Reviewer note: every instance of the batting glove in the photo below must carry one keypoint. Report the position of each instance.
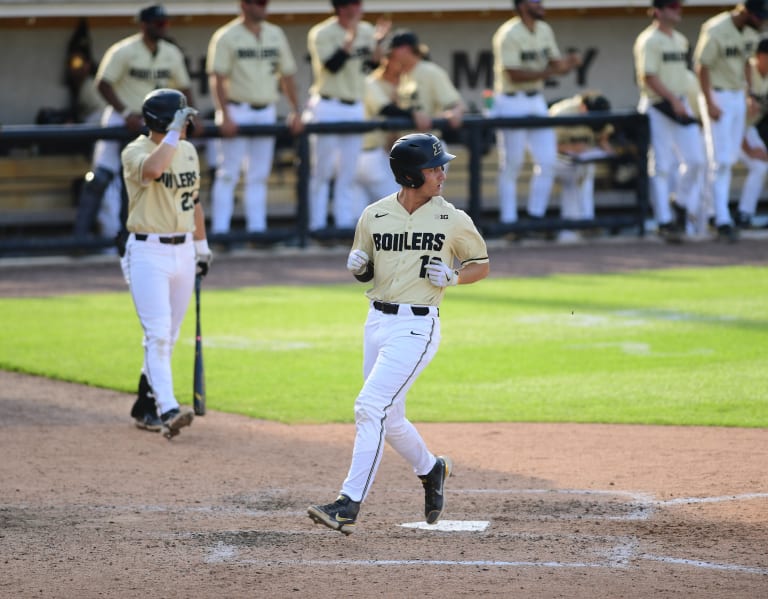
(203, 257)
(442, 275)
(357, 262)
(180, 119)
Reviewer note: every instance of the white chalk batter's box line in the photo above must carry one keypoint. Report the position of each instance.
(624, 551)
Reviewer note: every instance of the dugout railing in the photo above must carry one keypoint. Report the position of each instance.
(475, 136)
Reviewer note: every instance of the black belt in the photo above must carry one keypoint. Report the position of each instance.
(388, 308)
(254, 106)
(171, 240)
(529, 93)
(347, 102)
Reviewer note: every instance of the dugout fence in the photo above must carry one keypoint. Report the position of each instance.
(475, 171)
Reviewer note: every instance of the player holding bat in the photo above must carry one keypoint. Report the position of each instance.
(167, 240)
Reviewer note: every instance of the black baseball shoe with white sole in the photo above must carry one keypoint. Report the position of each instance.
(149, 422)
(175, 419)
(340, 515)
(434, 486)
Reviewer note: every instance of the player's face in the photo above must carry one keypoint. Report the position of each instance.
(535, 8)
(434, 178)
(255, 9)
(157, 29)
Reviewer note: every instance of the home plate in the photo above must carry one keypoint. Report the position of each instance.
(451, 525)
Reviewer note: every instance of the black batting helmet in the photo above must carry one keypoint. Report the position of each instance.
(160, 107)
(415, 152)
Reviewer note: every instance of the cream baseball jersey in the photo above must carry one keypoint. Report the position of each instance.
(578, 134)
(428, 88)
(133, 71)
(662, 55)
(348, 83)
(378, 94)
(165, 205)
(517, 47)
(402, 244)
(723, 49)
(250, 62)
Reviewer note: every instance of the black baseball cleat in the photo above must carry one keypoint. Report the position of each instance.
(174, 420)
(727, 233)
(434, 485)
(670, 233)
(340, 515)
(149, 422)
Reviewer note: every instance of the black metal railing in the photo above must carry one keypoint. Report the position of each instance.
(473, 135)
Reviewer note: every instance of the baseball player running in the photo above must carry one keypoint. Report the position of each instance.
(661, 57)
(726, 42)
(405, 245)
(243, 56)
(130, 69)
(341, 48)
(525, 55)
(166, 240)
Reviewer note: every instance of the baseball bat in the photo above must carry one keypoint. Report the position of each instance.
(199, 379)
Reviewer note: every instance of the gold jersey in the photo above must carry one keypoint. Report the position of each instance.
(378, 94)
(348, 83)
(402, 244)
(517, 47)
(251, 63)
(133, 71)
(724, 50)
(662, 55)
(165, 205)
(427, 88)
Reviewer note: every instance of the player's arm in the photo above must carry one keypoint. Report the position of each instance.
(473, 272)
(654, 84)
(705, 83)
(218, 83)
(293, 119)
(133, 121)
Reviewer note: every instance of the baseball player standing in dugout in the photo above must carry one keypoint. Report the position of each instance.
(244, 57)
(130, 69)
(726, 43)
(342, 48)
(406, 245)
(661, 66)
(525, 55)
(167, 239)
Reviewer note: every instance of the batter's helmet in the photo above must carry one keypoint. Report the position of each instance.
(160, 106)
(415, 152)
(759, 8)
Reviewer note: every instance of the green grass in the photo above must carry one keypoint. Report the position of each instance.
(663, 347)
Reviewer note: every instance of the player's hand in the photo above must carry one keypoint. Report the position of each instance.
(203, 257)
(357, 262)
(180, 119)
(441, 275)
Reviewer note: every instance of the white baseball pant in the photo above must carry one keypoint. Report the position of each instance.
(397, 348)
(162, 278)
(723, 143)
(512, 144)
(253, 155)
(756, 171)
(676, 161)
(106, 154)
(333, 157)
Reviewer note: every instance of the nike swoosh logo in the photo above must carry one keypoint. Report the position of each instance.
(417, 334)
(377, 215)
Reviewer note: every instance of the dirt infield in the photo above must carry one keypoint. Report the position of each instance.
(92, 507)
